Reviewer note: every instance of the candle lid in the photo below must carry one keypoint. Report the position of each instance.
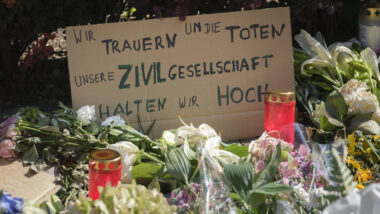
(105, 159)
(280, 96)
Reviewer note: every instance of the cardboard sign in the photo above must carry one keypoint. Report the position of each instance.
(209, 69)
(19, 181)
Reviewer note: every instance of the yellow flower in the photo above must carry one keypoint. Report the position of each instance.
(352, 144)
(364, 175)
(354, 163)
(359, 186)
(368, 150)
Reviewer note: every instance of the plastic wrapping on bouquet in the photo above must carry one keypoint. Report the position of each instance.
(280, 115)
(105, 167)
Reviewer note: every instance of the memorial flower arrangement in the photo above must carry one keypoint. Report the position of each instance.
(191, 165)
(198, 172)
(341, 100)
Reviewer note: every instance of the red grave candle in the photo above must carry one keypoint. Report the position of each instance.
(279, 115)
(105, 167)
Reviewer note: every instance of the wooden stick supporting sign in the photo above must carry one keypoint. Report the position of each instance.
(209, 69)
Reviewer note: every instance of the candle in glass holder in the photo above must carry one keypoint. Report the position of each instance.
(105, 167)
(280, 115)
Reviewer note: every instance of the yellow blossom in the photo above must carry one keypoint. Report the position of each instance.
(368, 150)
(352, 144)
(365, 175)
(359, 186)
(354, 163)
(362, 175)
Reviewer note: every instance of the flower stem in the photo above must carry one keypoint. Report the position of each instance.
(194, 174)
(147, 155)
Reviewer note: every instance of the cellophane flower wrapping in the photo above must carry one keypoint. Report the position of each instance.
(214, 193)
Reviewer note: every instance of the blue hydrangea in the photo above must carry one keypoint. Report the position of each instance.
(9, 204)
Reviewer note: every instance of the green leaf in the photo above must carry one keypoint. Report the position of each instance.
(325, 124)
(145, 171)
(178, 165)
(154, 184)
(272, 189)
(38, 166)
(267, 174)
(241, 151)
(93, 128)
(48, 207)
(30, 156)
(54, 122)
(57, 203)
(150, 128)
(256, 199)
(336, 106)
(240, 177)
(44, 121)
(373, 148)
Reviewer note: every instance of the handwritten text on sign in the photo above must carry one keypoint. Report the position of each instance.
(205, 68)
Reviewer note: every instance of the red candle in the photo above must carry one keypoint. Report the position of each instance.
(279, 115)
(105, 167)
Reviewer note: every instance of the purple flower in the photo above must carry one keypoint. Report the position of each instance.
(10, 205)
(184, 198)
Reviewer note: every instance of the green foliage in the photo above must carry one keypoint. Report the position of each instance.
(272, 189)
(340, 175)
(240, 177)
(336, 106)
(241, 151)
(341, 181)
(253, 190)
(145, 172)
(268, 173)
(177, 164)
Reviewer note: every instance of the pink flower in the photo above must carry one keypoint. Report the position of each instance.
(259, 166)
(304, 151)
(7, 149)
(288, 171)
(8, 127)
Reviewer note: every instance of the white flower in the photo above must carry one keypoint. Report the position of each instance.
(86, 114)
(302, 194)
(207, 130)
(168, 137)
(212, 147)
(113, 120)
(128, 152)
(359, 99)
(194, 135)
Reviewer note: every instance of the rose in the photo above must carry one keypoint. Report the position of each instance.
(113, 120)
(86, 114)
(8, 127)
(358, 97)
(7, 149)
